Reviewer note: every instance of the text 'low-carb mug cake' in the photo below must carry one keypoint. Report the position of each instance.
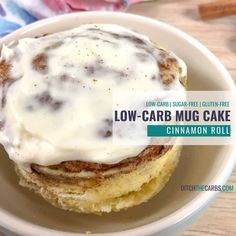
(56, 116)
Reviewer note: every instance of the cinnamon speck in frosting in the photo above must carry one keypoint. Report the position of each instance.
(56, 95)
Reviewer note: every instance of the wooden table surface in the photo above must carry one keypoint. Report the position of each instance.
(219, 36)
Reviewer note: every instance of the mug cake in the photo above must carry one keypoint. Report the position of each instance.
(56, 116)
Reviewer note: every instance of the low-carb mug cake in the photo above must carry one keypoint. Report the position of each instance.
(56, 116)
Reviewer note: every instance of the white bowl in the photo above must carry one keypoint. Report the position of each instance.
(170, 211)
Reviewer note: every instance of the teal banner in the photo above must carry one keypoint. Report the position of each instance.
(188, 131)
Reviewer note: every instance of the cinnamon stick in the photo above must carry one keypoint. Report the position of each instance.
(217, 9)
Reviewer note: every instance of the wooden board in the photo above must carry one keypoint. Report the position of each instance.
(219, 36)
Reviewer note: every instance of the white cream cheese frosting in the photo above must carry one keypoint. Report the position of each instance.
(57, 103)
